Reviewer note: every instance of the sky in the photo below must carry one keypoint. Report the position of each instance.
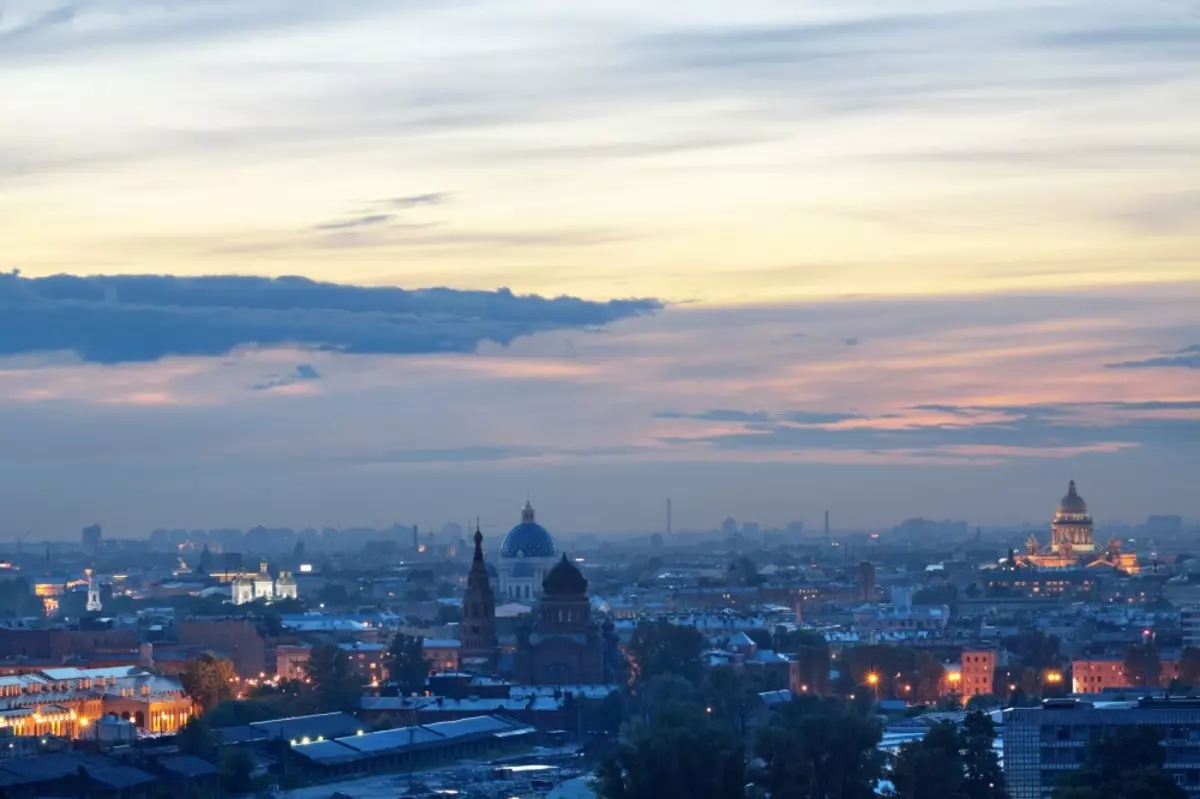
(315, 263)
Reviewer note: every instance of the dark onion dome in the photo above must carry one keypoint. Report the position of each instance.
(565, 579)
(1072, 503)
(528, 539)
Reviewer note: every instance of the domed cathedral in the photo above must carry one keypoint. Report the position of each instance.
(527, 555)
(565, 646)
(1071, 531)
(477, 634)
(1073, 542)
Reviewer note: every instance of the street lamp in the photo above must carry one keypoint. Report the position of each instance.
(873, 681)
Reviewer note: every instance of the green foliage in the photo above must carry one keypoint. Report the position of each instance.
(235, 770)
(336, 686)
(679, 752)
(919, 673)
(1128, 765)
(406, 663)
(789, 642)
(731, 696)
(949, 763)
(936, 595)
(1189, 666)
(209, 680)
(660, 647)
(817, 749)
(197, 738)
(17, 599)
(235, 713)
(1034, 649)
(1142, 665)
(811, 653)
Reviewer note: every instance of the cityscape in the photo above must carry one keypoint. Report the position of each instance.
(600, 399)
(380, 662)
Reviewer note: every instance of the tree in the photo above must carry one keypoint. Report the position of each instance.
(1127, 764)
(1189, 666)
(680, 753)
(984, 775)
(407, 666)
(240, 712)
(817, 749)
(931, 768)
(196, 738)
(209, 680)
(731, 695)
(235, 771)
(336, 686)
(789, 642)
(1035, 649)
(1142, 665)
(951, 763)
(660, 647)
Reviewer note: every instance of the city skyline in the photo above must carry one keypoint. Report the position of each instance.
(934, 261)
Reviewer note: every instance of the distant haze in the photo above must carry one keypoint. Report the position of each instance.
(309, 264)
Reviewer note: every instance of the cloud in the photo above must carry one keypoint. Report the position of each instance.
(416, 200)
(370, 220)
(850, 342)
(756, 417)
(1186, 358)
(717, 415)
(114, 319)
(302, 372)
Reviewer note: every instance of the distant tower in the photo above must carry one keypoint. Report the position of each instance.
(826, 526)
(91, 537)
(416, 540)
(668, 517)
(478, 632)
(93, 594)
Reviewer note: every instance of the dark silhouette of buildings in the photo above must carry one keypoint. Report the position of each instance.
(478, 635)
(565, 646)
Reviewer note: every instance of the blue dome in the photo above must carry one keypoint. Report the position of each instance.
(521, 569)
(528, 539)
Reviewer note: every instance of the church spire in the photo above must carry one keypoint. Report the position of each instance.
(527, 513)
(478, 544)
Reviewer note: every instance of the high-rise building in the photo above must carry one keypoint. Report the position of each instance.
(92, 539)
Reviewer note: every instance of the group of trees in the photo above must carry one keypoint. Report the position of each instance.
(18, 599)
(1127, 764)
(333, 684)
(951, 763)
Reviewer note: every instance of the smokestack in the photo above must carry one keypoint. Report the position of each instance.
(826, 525)
(668, 517)
(416, 540)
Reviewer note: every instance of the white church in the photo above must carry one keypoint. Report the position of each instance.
(249, 588)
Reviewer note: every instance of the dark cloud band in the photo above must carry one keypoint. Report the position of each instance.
(114, 319)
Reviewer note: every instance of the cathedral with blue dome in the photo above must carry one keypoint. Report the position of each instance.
(527, 555)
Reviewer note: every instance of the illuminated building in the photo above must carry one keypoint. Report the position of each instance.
(1071, 531)
(1073, 543)
(977, 670)
(245, 588)
(64, 702)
